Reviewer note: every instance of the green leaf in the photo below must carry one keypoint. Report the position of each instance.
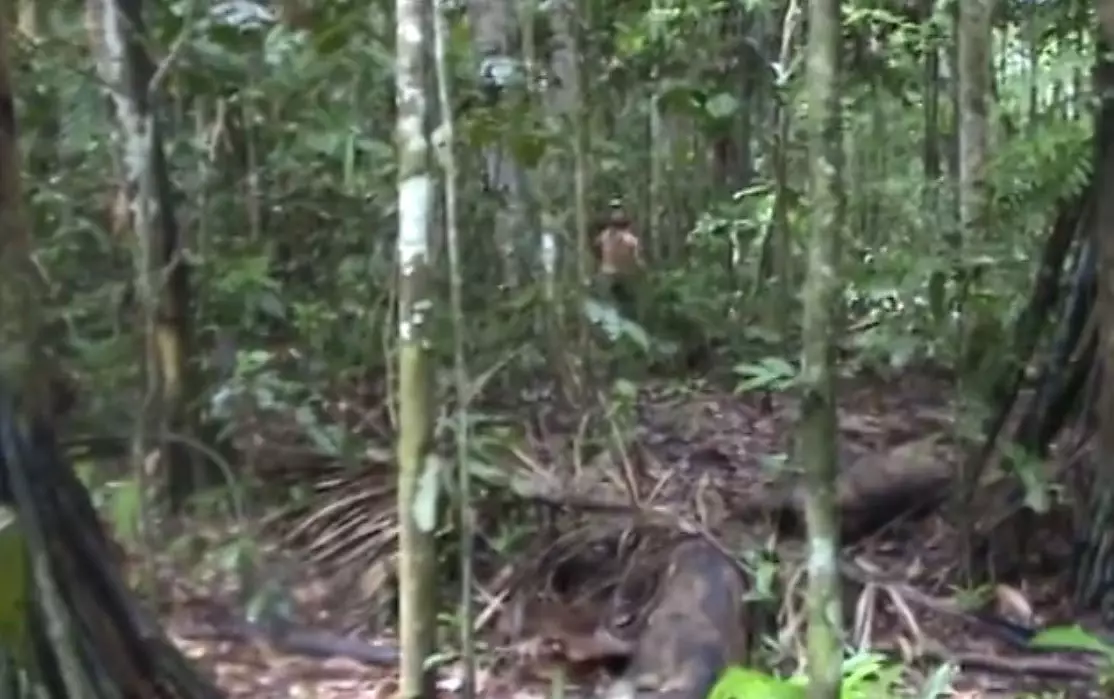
(13, 586)
(868, 675)
(125, 509)
(939, 683)
(528, 149)
(769, 373)
(1071, 637)
(626, 390)
(608, 319)
(487, 473)
(425, 499)
(271, 305)
(743, 683)
(722, 106)
(630, 40)
(1030, 470)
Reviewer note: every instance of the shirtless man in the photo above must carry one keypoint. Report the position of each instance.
(620, 256)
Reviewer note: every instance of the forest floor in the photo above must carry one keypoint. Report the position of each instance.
(704, 461)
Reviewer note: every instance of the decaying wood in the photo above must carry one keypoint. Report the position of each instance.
(695, 631)
(909, 479)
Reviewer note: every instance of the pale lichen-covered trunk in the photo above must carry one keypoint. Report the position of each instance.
(417, 552)
(568, 69)
(818, 447)
(30, 18)
(493, 26)
(565, 106)
(162, 273)
(974, 45)
(533, 203)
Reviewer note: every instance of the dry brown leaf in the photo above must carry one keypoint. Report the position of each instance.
(1011, 604)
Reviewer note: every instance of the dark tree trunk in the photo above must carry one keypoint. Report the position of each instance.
(1095, 567)
(88, 636)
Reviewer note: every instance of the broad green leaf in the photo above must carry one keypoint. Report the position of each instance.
(743, 683)
(608, 319)
(1071, 637)
(769, 373)
(271, 305)
(1037, 490)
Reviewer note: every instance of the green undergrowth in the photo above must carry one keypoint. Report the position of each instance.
(865, 676)
(868, 675)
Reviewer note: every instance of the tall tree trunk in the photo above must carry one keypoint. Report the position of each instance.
(162, 272)
(975, 83)
(493, 27)
(952, 224)
(731, 164)
(462, 385)
(1033, 38)
(21, 288)
(31, 18)
(582, 172)
(661, 152)
(930, 139)
(85, 635)
(417, 550)
(779, 245)
(818, 448)
(1094, 585)
(974, 79)
(33, 24)
(566, 105)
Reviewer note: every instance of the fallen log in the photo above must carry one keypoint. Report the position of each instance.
(910, 479)
(695, 631)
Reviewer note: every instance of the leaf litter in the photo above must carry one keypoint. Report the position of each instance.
(570, 604)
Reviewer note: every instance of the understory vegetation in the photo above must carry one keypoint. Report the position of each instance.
(605, 421)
